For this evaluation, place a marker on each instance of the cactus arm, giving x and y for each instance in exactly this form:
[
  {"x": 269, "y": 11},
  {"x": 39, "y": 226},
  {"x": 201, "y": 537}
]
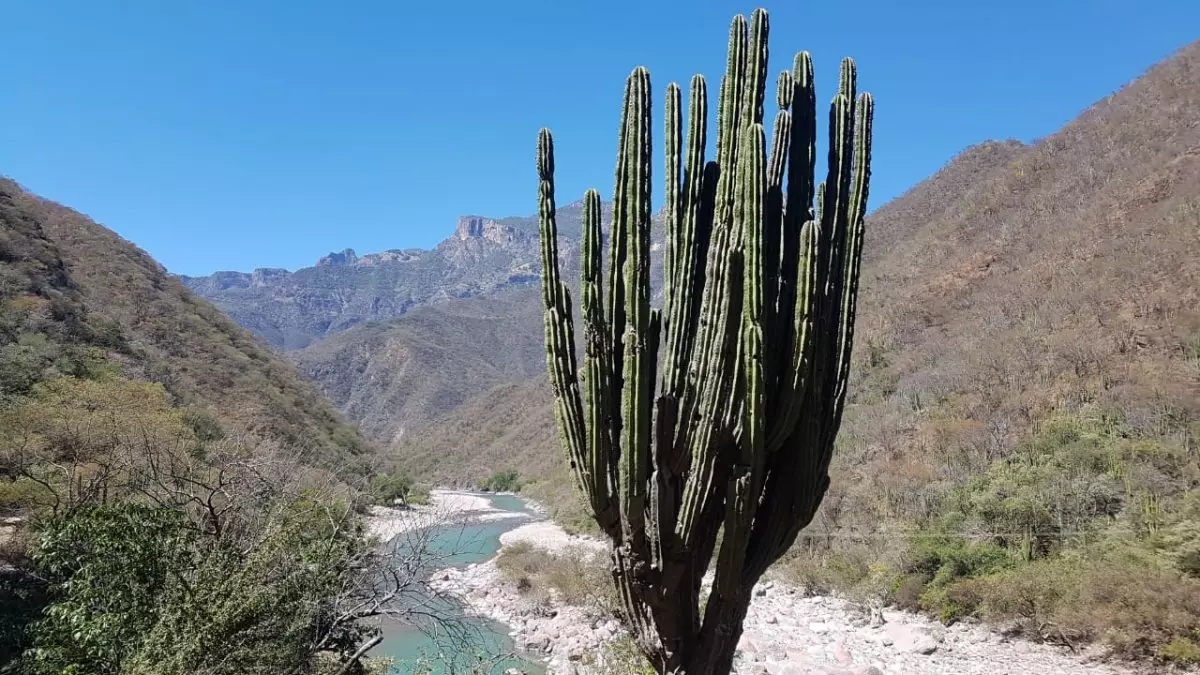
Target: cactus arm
[
  {"x": 560, "y": 344},
  {"x": 776, "y": 323},
  {"x": 674, "y": 211},
  {"x": 638, "y": 364},
  {"x": 702, "y": 404},
  {"x": 797, "y": 210},
  {"x": 746, "y": 476},
  {"x": 597, "y": 370},
  {"x": 857, "y": 212}
]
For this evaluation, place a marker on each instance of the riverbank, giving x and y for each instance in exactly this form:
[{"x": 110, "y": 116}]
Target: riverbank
[
  {"x": 786, "y": 633},
  {"x": 446, "y": 507},
  {"x": 456, "y": 528}
]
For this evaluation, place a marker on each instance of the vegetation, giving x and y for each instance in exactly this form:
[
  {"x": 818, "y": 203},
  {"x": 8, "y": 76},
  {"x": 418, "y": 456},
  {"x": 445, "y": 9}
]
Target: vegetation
[
  {"x": 502, "y": 481},
  {"x": 578, "y": 577},
  {"x": 153, "y": 547},
  {"x": 75, "y": 298},
  {"x": 184, "y": 501},
  {"x": 767, "y": 324},
  {"x": 399, "y": 488}
]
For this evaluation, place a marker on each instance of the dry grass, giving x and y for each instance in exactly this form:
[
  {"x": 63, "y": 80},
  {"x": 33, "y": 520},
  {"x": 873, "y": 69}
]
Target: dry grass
[{"x": 576, "y": 576}]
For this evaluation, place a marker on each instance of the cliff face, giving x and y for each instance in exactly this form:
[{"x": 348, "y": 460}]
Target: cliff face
[{"x": 292, "y": 310}]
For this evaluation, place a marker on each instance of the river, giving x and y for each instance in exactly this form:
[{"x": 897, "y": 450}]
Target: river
[{"x": 415, "y": 651}]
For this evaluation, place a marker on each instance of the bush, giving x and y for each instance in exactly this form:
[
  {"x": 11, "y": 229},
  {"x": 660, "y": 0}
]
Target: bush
[
  {"x": 394, "y": 488},
  {"x": 622, "y": 657},
  {"x": 418, "y": 494},
  {"x": 1181, "y": 650},
  {"x": 576, "y": 576},
  {"x": 564, "y": 503},
  {"x": 822, "y": 575},
  {"x": 520, "y": 562},
  {"x": 944, "y": 560},
  {"x": 137, "y": 590},
  {"x": 502, "y": 481}
]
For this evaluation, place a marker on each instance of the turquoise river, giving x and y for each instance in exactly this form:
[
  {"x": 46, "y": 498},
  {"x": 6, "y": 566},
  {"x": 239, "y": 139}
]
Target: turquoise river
[{"x": 413, "y": 651}]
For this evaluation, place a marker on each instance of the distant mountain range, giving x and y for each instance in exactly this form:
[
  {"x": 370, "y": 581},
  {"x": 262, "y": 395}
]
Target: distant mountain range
[{"x": 291, "y": 310}]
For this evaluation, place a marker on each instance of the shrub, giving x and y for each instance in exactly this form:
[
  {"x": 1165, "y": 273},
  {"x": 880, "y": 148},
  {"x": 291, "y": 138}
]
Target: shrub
[
  {"x": 1132, "y": 609},
  {"x": 520, "y": 562},
  {"x": 622, "y": 657},
  {"x": 502, "y": 481},
  {"x": 393, "y": 488},
  {"x": 563, "y": 503},
  {"x": 1181, "y": 650},
  {"x": 578, "y": 576},
  {"x": 945, "y": 560},
  {"x": 821, "y": 575}
]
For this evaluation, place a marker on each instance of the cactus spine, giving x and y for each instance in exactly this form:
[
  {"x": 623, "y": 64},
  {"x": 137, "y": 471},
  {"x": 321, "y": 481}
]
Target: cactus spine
[{"x": 730, "y": 426}]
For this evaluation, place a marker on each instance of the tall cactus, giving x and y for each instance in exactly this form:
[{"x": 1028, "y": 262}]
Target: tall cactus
[{"x": 720, "y": 441}]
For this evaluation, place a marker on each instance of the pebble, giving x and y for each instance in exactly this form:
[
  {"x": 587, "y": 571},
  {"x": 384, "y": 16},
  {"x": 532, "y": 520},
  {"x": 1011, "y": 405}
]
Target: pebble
[{"x": 786, "y": 633}]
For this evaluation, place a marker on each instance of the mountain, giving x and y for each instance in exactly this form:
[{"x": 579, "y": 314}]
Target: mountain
[
  {"x": 400, "y": 338},
  {"x": 291, "y": 310},
  {"x": 77, "y": 300},
  {"x": 395, "y": 376}
]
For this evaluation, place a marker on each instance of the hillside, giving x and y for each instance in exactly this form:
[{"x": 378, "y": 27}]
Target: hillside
[
  {"x": 78, "y": 300},
  {"x": 394, "y": 376},
  {"x": 510, "y": 426}
]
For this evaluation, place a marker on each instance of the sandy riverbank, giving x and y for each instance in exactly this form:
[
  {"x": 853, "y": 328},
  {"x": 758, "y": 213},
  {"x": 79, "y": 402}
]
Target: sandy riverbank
[
  {"x": 786, "y": 633},
  {"x": 445, "y": 507}
]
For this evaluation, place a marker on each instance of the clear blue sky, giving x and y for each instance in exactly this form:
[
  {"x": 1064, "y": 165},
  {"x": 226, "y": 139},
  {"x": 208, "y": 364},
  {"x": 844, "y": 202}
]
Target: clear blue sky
[{"x": 236, "y": 134}]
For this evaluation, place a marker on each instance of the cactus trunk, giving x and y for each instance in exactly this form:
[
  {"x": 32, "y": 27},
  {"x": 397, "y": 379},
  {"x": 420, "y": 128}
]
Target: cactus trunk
[{"x": 721, "y": 440}]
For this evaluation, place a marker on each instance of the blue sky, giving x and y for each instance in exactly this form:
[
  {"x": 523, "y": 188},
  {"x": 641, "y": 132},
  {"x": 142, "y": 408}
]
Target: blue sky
[{"x": 238, "y": 134}]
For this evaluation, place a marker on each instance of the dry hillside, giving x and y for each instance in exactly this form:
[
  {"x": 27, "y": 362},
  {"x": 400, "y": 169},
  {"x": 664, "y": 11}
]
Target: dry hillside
[
  {"x": 395, "y": 376},
  {"x": 68, "y": 284}
]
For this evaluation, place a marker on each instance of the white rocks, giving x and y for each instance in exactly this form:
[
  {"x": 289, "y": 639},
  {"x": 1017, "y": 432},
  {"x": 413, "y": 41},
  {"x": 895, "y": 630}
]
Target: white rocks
[{"x": 785, "y": 632}]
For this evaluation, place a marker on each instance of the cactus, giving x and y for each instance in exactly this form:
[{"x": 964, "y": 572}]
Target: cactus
[{"x": 708, "y": 425}]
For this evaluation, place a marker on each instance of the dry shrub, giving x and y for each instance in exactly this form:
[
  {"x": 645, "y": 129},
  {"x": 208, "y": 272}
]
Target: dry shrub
[
  {"x": 576, "y": 576},
  {"x": 824, "y": 573},
  {"x": 520, "y": 563},
  {"x": 1135, "y": 610}
]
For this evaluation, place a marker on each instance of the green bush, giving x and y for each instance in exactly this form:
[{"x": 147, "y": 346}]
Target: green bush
[
  {"x": 502, "y": 481},
  {"x": 394, "y": 488},
  {"x": 137, "y": 590},
  {"x": 1182, "y": 649},
  {"x": 944, "y": 560}
]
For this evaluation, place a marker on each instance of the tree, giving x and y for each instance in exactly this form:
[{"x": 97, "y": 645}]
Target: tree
[{"x": 751, "y": 350}]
